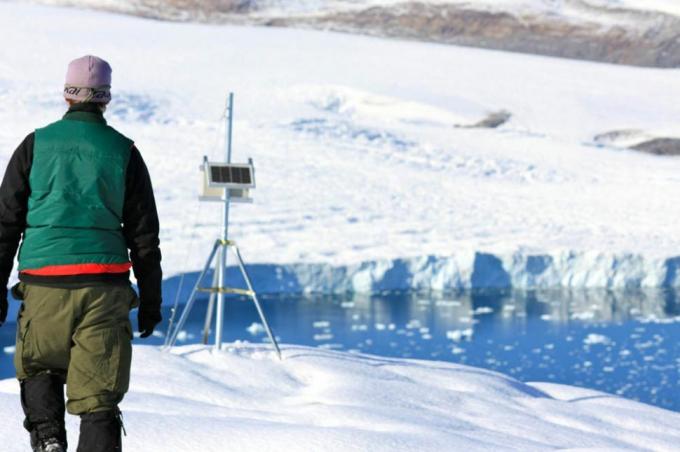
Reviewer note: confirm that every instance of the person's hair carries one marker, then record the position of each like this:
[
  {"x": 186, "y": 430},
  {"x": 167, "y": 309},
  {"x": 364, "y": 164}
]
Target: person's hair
[{"x": 101, "y": 106}]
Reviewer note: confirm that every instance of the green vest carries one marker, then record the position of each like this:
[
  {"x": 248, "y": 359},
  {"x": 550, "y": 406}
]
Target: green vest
[{"x": 77, "y": 181}]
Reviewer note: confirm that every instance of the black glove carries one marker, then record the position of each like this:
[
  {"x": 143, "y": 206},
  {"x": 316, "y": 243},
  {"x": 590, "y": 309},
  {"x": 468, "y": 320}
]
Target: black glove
[
  {"x": 3, "y": 305},
  {"x": 147, "y": 321}
]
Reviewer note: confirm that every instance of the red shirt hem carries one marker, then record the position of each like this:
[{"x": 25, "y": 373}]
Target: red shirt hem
[{"x": 78, "y": 269}]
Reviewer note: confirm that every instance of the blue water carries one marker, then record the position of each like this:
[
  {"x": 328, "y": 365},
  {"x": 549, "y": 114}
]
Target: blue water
[{"x": 625, "y": 343}]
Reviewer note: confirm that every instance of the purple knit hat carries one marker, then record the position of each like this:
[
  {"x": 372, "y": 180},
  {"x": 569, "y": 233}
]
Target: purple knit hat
[{"x": 88, "y": 79}]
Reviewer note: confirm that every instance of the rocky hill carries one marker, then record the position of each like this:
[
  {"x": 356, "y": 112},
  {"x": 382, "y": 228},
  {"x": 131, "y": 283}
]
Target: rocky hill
[{"x": 597, "y": 30}]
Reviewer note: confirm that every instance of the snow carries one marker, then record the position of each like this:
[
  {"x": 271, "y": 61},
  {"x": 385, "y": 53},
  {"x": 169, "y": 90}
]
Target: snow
[
  {"x": 665, "y": 6},
  {"x": 584, "y": 8},
  {"x": 243, "y": 399},
  {"x": 369, "y": 177}
]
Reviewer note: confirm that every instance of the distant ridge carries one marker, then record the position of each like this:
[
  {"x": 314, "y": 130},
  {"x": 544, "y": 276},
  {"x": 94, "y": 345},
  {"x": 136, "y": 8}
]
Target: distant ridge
[{"x": 593, "y": 30}]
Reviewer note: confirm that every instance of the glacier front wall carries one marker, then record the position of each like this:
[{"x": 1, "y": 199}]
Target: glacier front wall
[{"x": 464, "y": 271}]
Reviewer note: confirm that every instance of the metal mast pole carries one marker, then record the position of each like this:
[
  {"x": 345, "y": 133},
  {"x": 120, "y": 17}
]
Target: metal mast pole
[{"x": 222, "y": 269}]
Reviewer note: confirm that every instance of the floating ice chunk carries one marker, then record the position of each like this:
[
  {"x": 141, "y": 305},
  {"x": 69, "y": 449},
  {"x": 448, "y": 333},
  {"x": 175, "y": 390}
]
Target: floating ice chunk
[
  {"x": 459, "y": 335},
  {"x": 255, "y": 329},
  {"x": 182, "y": 336},
  {"x": 585, "y": 315},
  {"x": 595, "y": 339}
]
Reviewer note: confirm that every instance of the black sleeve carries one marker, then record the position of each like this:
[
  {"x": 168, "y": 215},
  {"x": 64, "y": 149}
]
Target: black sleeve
[
  {"x": 14, "y": 193},
  {"x": 140, "y": 228}
]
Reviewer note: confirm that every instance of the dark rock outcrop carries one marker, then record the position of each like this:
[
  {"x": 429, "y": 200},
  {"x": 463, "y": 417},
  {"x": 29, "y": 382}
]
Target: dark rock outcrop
[
  {"x": 660, "y": 146},
  {"x": 638, "y": 38},
  {"x": 492, "y": 121}
]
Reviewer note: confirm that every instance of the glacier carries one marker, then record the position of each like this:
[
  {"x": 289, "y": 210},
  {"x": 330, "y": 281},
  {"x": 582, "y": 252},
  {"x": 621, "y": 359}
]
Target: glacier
[{"x": 565, "y": 270}]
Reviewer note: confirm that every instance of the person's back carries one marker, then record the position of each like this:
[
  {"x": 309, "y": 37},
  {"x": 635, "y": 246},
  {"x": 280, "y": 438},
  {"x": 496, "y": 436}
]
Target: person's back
[
  {"x": 80, "y": 194},
  {"x": 77, "y": 195}
]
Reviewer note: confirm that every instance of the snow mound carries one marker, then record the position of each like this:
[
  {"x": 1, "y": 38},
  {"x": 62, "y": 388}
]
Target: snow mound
[
  {"x": 243, "y": 399},
  {"x": 359, "y": 105}
]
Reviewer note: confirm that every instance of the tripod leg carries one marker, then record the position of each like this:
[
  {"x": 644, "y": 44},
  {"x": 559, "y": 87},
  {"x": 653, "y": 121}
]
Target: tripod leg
[
  {"x": 192, "y": 297},
  {"x": 171, "y": 323},
  {"x": 257, "y": 302},
  {"x": 209, "y": 312}
]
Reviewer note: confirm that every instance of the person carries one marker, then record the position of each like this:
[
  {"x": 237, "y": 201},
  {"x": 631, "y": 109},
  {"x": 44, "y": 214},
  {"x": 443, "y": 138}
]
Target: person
[{"x": 78, "y": 196}]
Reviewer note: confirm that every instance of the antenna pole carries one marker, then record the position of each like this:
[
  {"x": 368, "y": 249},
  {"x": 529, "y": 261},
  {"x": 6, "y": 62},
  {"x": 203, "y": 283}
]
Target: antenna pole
[{"x": 222, "y": 269}]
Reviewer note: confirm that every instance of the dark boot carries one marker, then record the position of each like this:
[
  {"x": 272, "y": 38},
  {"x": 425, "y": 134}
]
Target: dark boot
[
  {"x": 42, "y": 399},
  {"x": 100, "y": 432}
]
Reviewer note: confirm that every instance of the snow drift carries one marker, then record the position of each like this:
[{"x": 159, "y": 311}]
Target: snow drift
[{"x": 243, "y": 399}]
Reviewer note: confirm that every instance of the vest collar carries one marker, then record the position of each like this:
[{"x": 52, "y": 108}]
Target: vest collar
[{"x": 86, "y": 112}]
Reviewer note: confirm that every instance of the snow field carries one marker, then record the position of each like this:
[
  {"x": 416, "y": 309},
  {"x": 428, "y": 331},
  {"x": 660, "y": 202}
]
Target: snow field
[
  {"x": 243, "y": 399},
  {"x": 365, "y": 178}
]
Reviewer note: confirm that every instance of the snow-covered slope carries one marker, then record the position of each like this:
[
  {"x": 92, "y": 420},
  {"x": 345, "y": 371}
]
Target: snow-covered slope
[
  {"x": 315, "y": 400},
  {"x": 369, "y": 174}
]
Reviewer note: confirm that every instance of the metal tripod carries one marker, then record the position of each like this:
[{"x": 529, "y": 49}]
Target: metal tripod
[
  {"x": 218, "y": 287},
  {"x": 221, "y": 246}
]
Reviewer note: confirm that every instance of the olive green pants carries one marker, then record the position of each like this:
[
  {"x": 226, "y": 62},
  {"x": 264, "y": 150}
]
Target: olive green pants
[{"x": 81, "y": 333}]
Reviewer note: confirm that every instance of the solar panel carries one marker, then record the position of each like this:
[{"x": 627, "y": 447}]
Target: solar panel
[{"x": 229, "y": 175}]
